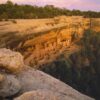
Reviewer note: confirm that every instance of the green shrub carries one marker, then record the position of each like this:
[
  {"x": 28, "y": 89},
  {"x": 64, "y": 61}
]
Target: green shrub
[
  {"x": 1, "y": 19},
  {"x": 14, "y": 21},
  {"x": 6, "y": 19}
]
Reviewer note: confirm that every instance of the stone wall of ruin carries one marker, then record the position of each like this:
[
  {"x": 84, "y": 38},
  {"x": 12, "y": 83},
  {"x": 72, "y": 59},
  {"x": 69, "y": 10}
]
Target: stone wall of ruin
[{"x": 43, "y": 46}]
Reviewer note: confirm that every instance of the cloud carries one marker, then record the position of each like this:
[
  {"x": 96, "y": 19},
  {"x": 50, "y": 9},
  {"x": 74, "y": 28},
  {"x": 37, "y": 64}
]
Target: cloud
[
  {"x": 2, "y": 1},
  {"x": 60, "y": 3},
  {"x": 87, "y": 5}
]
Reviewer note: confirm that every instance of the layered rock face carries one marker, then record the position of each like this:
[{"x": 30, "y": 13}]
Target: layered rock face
[
  {"x": 42, "y": 40},
  {"x": 54, "y": 38},
  {"x": 40, "y": 36},
  {"x": 30, "y": 84}
]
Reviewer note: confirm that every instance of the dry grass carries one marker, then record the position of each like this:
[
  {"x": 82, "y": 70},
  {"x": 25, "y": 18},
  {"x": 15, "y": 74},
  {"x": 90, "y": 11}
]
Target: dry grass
[
  {"x": 15, "y": 28},
  {"x": 26, "y": 26}
]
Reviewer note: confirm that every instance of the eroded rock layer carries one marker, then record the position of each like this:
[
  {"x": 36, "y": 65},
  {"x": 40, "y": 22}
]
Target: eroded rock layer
[{"x": 54, "y": 38}]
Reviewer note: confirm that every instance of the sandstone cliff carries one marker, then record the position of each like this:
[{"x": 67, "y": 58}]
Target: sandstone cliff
[
  {"x": 21, "y": 82},
  {"x": 40, "y": 39}
]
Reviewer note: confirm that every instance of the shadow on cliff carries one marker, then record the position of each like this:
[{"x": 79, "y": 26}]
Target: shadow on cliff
[
  {"x": 10, "y": 40},
  {"x": 82, "y": 69}
]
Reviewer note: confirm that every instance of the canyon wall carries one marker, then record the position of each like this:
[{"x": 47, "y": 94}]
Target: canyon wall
[
  {"x": 42, "y": 40},
  {"x": 54, "y": 39}
]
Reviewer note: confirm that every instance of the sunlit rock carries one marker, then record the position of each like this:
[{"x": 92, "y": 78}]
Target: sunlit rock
[
  {"x": 9, "y": 86},
  {"x": 11, "y": 61}
]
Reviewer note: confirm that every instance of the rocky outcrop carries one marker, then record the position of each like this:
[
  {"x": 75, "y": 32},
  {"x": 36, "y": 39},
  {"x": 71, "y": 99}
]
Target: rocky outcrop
[
  {"x": 11, "y": 61},
  {"x": 34, "y": 80},
  {"x": 30, "y": 84},
  {"x": 9, "y": 86},
  {"x": 43, "y": 95}
]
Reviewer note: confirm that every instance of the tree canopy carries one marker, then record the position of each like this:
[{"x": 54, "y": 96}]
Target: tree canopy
[{"x": 15, "y": 11}]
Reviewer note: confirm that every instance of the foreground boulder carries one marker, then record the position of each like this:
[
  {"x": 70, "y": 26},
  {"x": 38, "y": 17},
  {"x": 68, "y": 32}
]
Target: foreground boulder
[
  {"x": 11, "y": 61},
  {"x": 33, "y": 80},
  {"x": 43, "y": 95},
  {"x": 9, "y": 86},
  {"x": 31, "y": 84}
]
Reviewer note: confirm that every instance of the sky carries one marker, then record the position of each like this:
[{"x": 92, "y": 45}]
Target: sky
[{"x": 93, "y": 5}]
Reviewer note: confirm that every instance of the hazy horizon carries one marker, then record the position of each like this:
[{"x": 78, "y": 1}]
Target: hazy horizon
[{"x": 85, "y": 5}]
